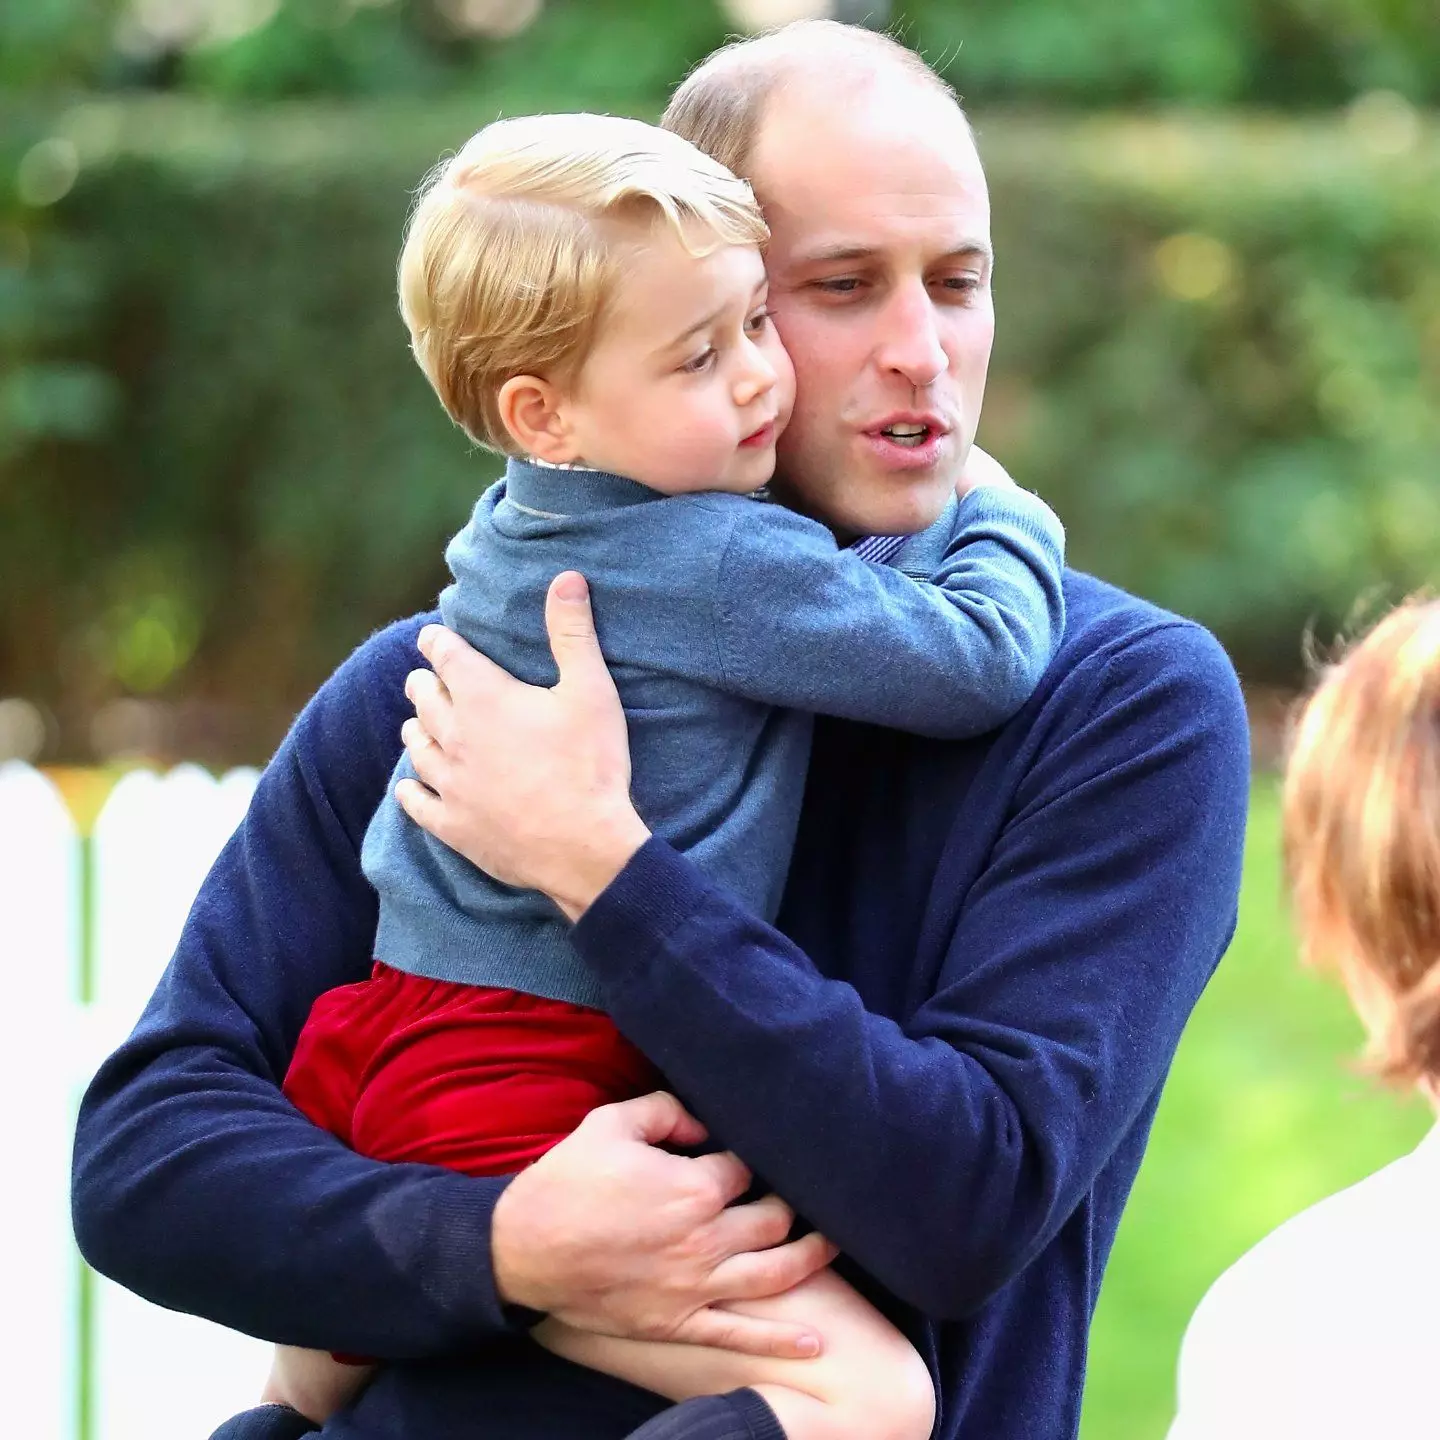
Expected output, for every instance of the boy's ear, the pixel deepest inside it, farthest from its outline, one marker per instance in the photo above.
(533, 411)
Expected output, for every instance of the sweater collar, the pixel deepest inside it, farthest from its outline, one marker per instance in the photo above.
(556, 491)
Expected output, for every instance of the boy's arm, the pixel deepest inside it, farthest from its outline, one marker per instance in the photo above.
(803, 625)
(195, 1182)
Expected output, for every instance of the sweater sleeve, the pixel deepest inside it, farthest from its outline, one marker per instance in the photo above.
(195, 1182)
(945, 1152)
(805, 625)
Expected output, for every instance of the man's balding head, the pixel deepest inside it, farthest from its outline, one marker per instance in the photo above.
(721, 104)
(879, 261)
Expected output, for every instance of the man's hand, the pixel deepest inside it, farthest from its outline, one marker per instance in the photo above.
(610, 1234)
(530, 784)
(981, 468)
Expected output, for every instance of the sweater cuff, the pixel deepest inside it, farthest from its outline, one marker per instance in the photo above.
(1011, 506)
(633, 917)
(462, 1216)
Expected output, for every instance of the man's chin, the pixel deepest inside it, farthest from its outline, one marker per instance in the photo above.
(869, 502)
(890, 505)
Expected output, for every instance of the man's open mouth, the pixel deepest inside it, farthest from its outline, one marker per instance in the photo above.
(911, 436)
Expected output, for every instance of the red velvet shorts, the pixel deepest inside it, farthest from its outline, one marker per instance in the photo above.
(477, 1080)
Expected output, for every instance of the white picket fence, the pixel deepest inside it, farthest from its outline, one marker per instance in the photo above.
(145, 1373)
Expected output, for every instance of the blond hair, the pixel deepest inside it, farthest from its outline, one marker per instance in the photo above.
(508, 266)
(720, 105)
(1362, 835)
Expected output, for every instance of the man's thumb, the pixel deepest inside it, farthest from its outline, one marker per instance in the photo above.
(571, 626)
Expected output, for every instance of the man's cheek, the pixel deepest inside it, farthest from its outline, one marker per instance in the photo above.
(800, 334)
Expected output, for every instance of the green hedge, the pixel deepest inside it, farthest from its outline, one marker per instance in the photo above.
(1107, 52)
(1219, 356)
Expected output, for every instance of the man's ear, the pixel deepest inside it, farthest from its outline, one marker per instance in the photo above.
(534, 412)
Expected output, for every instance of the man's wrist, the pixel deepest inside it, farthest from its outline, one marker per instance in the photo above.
(506, 1264)
(606, 850)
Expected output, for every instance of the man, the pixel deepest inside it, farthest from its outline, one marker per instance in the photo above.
(947, 1062)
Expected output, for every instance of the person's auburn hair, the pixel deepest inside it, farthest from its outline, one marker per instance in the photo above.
(508, 263)
(1362, 835)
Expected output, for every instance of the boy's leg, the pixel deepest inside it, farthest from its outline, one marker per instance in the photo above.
(266, 1422)
(867, 1384)
(313, 1382)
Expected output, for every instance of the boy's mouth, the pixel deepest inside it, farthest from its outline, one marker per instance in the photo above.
(761, 437)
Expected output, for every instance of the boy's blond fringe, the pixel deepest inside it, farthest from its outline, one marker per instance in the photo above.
(508, 264)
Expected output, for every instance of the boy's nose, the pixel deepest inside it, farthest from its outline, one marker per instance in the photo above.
(757, 377)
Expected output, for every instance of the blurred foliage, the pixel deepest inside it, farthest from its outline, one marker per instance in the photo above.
(1107, 52)
(54, 396)
(1220, 358)
(218, 467)
(1265, 52)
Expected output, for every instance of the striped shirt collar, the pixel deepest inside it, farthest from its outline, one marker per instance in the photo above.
(878, 549)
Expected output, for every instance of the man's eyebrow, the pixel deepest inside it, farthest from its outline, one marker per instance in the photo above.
(833, 254)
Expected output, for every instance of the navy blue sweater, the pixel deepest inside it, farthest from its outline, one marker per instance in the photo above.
(947, 1056)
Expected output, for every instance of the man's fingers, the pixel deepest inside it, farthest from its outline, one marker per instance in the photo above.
(425, 755)
(433, 705)
(727, 1171)
(654, 1119)
(571, 625)
(420, 805)
(747, 1335)
(458, 664)
(761, 1273)
(756, 1226)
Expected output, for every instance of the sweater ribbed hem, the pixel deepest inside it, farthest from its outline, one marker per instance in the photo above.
(740, 1415)
(761, 1420)
(460, 1276)
(422, 935)
(267, 1422)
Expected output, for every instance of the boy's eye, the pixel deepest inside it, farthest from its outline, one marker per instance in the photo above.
(756, 324)
(699, 363)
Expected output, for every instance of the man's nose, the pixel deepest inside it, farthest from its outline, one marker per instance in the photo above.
(756, 377)
(910, 336)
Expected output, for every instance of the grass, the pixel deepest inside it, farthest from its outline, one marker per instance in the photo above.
(1261, 1117)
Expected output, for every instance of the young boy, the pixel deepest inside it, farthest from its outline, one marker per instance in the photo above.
(587, 295)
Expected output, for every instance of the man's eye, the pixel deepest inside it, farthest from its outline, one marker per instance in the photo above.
(700, 363)
(961, 284)
(843, 285)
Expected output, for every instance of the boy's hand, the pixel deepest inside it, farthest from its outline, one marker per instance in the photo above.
(981, 468)
(530, 784)
(611, 1234)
